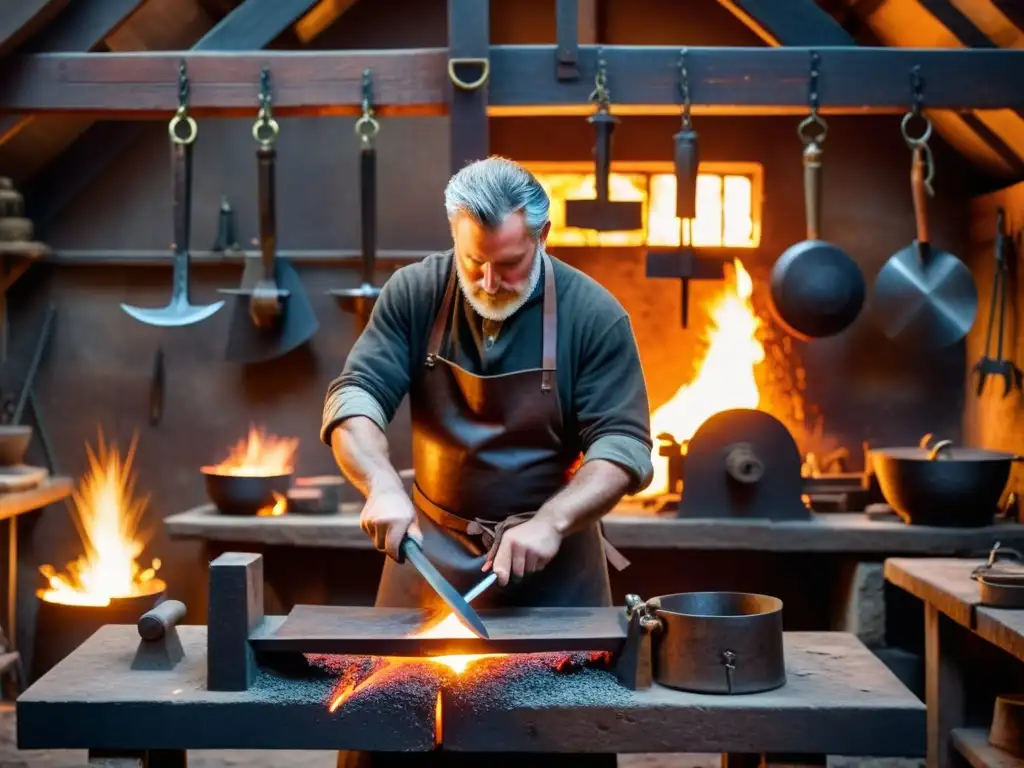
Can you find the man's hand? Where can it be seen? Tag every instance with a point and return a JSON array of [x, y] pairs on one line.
[[526, 548], [386, 518]]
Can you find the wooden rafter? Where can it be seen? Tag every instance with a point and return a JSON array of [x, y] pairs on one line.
[[81, 27], [99, 146], [972, 133], [415, 81], [253, 20], [988, 17], [320, 17], [796, 22], [23, 18]]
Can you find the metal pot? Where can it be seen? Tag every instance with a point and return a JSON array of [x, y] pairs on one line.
[[244, 494], [942, 485], [14, 441], [720, 642]]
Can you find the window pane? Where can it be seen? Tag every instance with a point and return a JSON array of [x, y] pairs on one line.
[[739, 221], [581, 186], [707, 229]]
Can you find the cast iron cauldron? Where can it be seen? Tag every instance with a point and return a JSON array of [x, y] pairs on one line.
[[244, 494], [942, 485], [720, 642]]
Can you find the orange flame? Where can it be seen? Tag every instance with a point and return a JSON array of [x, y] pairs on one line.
[[107, 514], [278, 508], [261, 455], [724, 378]]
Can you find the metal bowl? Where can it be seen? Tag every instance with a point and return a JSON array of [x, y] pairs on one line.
[[14, 442], [720, 642], [244, 494]]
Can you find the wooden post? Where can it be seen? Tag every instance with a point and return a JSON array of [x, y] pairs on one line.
[[944, 686], [469, 70], [235, 609]]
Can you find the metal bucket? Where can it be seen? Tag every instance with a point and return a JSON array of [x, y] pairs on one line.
[[719, 642]]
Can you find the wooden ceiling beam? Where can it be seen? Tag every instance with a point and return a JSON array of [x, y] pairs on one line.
[[320, 17], [146, 83], [23, 18], [98, 147], [990, 19], [796, 22], [82, 27]]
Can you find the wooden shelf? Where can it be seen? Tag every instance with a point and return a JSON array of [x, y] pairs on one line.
[[973, 744], [19, 502]]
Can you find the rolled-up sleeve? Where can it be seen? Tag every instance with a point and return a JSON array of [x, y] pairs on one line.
[[377, 371], [611, 404]]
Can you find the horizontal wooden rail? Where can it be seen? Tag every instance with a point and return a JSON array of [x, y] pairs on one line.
[[414, 82], [387, 259]]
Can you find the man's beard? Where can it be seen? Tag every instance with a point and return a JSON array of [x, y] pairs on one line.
[[507, 302]]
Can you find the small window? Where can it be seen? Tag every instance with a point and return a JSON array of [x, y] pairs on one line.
[[728, 204]]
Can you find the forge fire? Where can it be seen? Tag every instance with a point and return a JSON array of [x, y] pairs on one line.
[[107, 513]]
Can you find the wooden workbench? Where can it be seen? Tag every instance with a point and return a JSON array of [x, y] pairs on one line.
[[950, 599], [829, 532], [839, 699]]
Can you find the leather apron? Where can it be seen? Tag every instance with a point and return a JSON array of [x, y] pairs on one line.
[[487, 452]]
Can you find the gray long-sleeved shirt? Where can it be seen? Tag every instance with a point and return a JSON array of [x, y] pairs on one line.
[[600, 382]]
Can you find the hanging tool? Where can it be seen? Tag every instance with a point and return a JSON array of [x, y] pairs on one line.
[[361, 300], [180, 311], [226, 240], [1013, 378], [272, 314], [817, 290], [924, 297], [601, 214], [156, 389], [683, 262]]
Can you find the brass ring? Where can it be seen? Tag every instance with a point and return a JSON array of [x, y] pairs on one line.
[[190, 125], [816, 121], [366, 127], [270, 125], [458, 82], [925, 135]]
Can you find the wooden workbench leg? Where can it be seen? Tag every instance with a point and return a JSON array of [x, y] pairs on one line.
[[742, 760], [944, 686]]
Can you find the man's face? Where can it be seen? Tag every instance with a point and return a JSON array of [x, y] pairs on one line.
[[495, 265]]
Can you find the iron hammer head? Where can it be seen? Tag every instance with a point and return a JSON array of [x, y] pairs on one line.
[[175, 314]]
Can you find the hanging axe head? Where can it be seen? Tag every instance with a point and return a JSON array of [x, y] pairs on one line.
[[177, 313]]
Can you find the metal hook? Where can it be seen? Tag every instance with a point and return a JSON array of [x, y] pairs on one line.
[[367, 125], [916, 111], [601, 95], [684, 90], [813, 129], [266, 128], [181, 116]]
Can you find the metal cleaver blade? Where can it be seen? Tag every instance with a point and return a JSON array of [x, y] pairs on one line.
[[411, 551]]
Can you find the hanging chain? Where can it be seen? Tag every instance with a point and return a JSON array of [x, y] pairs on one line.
[[813, 129], [601, 95], [367, 126], [684, 90], [265, 129], [917, 112], [181, 116]]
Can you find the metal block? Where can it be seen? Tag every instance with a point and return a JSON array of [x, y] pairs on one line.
[[235, 610]]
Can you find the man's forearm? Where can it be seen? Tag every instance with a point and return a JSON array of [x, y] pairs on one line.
[[591, 494], [361, 450]]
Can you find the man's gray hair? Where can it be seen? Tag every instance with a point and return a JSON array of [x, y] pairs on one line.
[[491, 190]]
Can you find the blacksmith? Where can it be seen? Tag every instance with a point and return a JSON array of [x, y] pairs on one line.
[[516, 366]]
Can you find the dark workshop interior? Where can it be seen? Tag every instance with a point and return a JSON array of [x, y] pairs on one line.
[[824, 293]]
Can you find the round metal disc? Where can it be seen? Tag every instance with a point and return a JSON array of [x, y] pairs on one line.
[[929, 307], [817, 290]]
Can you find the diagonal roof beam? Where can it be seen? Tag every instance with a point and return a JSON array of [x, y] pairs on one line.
[[81, 27], [782, 24], [23, 18], [796, 22], [245, 28]]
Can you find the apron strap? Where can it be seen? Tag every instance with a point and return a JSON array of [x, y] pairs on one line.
[[441, 319], [491, 531], [550, 328]]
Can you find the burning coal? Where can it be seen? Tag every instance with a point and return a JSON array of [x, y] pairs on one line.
[[107, 514]]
